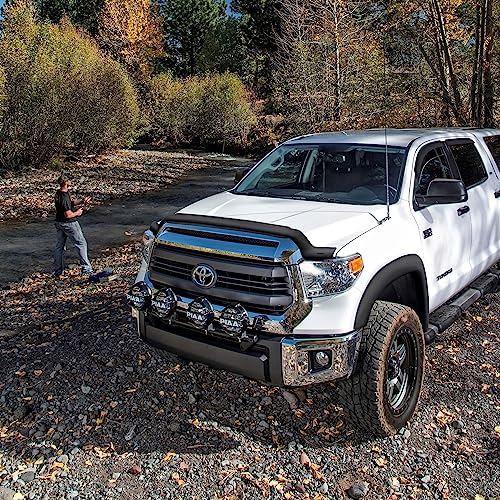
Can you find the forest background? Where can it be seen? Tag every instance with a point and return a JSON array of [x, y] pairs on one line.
[[80, 77]]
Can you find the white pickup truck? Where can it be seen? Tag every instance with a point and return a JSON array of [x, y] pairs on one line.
[[335, 258]]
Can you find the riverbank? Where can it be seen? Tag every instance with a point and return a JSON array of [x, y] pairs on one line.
[[29, 195], [111, 224]]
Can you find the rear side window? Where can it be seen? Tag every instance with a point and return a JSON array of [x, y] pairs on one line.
[[493, 143], [469, 163]]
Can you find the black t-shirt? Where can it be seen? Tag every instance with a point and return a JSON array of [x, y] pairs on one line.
[[63, 204]]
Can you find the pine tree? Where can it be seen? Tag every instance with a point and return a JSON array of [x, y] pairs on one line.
[[82, 13], [131, 30], [188, 25], [261, 27]]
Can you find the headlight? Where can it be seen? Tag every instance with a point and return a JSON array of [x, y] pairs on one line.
[[330, 277], [148, 239]]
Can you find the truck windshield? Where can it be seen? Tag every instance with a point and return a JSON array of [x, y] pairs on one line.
[[353, 174]]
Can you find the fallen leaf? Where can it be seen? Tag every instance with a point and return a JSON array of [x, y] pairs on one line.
[[444, 417], [176, 477], [168, 457], [196, 423], [381, 461], [101, 452], [304, 459]]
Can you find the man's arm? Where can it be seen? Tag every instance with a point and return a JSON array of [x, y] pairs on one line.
[[69, 214]]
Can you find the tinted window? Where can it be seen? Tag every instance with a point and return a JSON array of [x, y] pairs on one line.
[[434, 166], [493, 143], [469, 163]]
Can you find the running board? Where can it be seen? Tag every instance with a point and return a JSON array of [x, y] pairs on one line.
[[443, 317]]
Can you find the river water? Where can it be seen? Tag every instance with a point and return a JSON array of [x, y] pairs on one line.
[[26, 248]]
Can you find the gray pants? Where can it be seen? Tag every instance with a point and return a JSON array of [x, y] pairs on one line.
[[73, 232]]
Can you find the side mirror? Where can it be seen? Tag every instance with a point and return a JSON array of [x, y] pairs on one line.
[[240, 172], [156, 226], [443, 192]]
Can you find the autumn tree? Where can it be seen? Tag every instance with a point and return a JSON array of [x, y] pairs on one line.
[[327, 57], [188, 26], [131, 30], [486, 28]]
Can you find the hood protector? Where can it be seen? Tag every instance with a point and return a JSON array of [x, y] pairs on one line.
[[308, 251]]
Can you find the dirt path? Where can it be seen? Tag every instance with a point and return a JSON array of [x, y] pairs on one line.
[[28, 248]]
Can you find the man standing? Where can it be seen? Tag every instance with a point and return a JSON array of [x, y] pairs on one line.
[[67, 226]]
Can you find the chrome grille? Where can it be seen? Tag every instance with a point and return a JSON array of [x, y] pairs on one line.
[[258, 286]]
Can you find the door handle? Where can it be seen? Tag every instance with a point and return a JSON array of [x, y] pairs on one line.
[[497, 194], [463, 210]]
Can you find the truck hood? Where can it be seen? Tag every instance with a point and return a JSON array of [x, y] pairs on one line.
[[324, 224]]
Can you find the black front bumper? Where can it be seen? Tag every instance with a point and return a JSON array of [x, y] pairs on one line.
[[277, 360], [261, 362]]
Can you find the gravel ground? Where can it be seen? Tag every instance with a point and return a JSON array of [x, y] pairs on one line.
[[89, 412], [30, 194]]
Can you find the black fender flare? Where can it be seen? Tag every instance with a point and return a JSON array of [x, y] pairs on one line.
[[409, 264]]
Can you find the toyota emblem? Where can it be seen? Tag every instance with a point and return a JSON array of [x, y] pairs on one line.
[[204, 276]]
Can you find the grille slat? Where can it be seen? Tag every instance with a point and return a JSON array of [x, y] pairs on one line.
[[260, 287]]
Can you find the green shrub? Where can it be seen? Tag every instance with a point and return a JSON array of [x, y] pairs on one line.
[[62, 92], [200, 110], [173, 111]]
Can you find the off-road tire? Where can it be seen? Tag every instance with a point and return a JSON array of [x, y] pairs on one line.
[[364, 394]]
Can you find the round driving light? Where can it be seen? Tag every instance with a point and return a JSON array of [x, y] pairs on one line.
[[200, 312], [139, 296], [234, 320], [322, 359], [163, 303]]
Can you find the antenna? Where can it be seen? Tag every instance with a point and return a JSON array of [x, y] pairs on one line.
[[387, 192]]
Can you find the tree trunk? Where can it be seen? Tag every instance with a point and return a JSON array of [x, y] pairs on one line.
[[450, 71], [476, 68], [488, 61]]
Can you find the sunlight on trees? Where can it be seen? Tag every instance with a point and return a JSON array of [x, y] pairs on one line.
[[131, 30]]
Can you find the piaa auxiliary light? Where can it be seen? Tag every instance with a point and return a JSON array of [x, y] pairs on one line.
[[233, 320]]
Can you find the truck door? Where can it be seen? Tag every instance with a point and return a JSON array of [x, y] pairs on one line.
[[445, 230], [483, 187]]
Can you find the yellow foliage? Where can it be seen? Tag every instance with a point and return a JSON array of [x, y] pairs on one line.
[[208, 110], [132, 31], [60, 91]]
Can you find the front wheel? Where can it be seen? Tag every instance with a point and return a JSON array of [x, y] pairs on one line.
[[383, 394]]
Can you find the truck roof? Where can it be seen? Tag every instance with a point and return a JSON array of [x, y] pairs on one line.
[[395, 137]]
